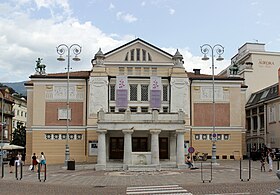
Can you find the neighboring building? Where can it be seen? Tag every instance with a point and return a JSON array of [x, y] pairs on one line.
[[259, 69], [6, 104], [263, 118], [20, 111], [138, 106], [256, 65]]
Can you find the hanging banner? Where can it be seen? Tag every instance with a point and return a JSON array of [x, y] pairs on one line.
[[121, 92], [155, 92]]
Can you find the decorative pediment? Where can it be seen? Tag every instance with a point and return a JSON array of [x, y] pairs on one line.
[[138, 51]]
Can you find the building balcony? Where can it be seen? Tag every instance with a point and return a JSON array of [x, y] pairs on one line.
[[141, 121]]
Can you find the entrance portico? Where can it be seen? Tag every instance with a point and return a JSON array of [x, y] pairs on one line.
[[135, 142]]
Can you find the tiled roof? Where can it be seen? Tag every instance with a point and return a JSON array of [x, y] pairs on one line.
[[78, 74], [263, 95], [194, 76]]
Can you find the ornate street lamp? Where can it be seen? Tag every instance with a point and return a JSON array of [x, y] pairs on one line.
[[61, 50], [218, 49], [2, 132]]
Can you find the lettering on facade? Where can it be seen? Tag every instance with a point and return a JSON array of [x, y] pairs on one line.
[[265, 63]]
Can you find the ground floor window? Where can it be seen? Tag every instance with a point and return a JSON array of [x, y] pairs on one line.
[[139, 144]]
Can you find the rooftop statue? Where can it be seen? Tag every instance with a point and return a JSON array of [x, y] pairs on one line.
[[40, 68]]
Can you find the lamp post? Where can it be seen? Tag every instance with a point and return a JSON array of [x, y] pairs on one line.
[[218, 49], [61, 50], [2, 132]]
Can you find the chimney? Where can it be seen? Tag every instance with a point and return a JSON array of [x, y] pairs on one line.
[[196, 71]]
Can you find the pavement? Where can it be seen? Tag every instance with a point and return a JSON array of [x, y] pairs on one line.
[[224, 172]]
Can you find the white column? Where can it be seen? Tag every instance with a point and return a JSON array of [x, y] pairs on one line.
[[180, 148], [155, 146], [173, 146], [127, 159], [101, 152]]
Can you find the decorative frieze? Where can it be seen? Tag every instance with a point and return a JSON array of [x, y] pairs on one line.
[[59, 92]]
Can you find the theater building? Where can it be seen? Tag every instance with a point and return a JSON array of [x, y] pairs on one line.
[[137, 106]]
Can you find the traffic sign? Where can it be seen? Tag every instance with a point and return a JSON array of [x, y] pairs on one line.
[[214, 136], [191, 150]]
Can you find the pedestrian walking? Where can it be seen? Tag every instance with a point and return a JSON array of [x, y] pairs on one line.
[[270, 157], [34, 162], [262, 162], [42, 160], [19, 158], [189, 162], [12, 163]]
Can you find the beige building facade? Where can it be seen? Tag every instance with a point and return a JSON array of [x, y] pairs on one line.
[[136, 106], [19, 110]]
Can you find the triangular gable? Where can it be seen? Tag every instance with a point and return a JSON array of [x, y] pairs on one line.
[[138, 51]]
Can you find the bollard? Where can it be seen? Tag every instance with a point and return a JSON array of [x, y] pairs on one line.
[[249, 171], [2, 170], [20, 171], [211, 172], [39, 172]]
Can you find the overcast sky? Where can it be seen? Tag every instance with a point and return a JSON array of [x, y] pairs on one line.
[[34, 28]]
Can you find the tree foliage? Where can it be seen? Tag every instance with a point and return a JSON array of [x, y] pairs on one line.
[[19, 135]]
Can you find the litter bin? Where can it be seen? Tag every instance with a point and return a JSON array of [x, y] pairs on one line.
[[70, 165]]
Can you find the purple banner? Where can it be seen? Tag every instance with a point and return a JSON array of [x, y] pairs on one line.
[[155, 99], [121, 98]]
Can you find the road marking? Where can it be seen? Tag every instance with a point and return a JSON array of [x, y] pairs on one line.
[[167, 189], [231, 193]]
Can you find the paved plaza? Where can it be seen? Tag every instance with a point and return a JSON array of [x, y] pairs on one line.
[[225, 179]]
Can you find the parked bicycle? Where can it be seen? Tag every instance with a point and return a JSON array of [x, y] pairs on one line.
[[198, 156]]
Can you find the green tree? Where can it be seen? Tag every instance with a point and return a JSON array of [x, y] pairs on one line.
[[19, 135]]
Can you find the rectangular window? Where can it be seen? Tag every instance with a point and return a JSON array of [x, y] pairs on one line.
[[226, 136], [165, 92], [144, 109], [112, 109], [165, 109], [271, 112], [144, 92], [133, 92], [255, 122], [122, 110], [133, 109], [144, 55], [248, 123], [204, 136], [139, 144], [138, 54], [262, 121], [132, 55], [149, 57], [112, 93]]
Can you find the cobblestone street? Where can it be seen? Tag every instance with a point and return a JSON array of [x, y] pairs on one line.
[[225, 179]]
